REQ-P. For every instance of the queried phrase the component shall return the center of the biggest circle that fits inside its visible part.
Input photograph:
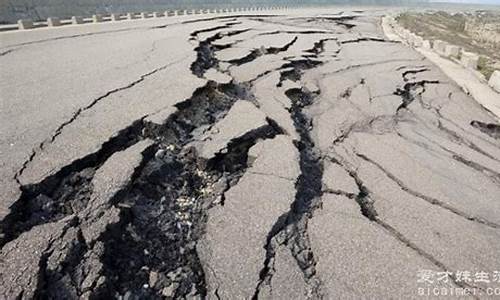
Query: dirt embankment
(477, 32)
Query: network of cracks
(145, 234)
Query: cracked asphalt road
(292, 155)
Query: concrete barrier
(407, 34)
(452, 50)
(494, 81)
(97, 18)
(404, 33)
(412, 39)
(75, 20)
(426, 44)
(469, 60)
(439, 46)
(116, 17)
(419, 41)
(53, 22)
(25, 24)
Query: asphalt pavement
(282, 154)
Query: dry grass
(484, 66)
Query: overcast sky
(496, 2)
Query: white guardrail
(116, 17)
